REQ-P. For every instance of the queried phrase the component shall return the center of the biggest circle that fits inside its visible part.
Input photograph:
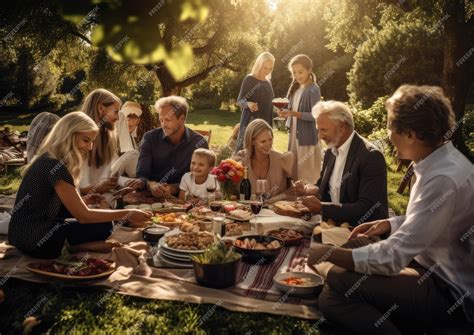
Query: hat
(130, 107)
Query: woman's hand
(284, 113)
(374, 228)
(253, 106)
(138, 218)
(300, 187)
(160, 190)
(93, 198)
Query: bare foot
(103, 247)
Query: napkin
(4, 222)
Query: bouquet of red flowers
(229, 173)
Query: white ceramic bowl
(299, 290)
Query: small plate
(70, 277)
(240, 219)
(299, 290)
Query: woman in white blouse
(423, 270)
(103, 106)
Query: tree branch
(211, 43)
(81, 36)
(198, 77)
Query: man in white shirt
(353, 183)
(424, 270)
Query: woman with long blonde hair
(262, 161)
(256, 95)
(47, 196)
(103, 107)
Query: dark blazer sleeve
(145, 160)
(373, 175)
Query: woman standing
(303, 94)
(262, 161)
(48, 195)
(256, 95)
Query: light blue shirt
(438, 229)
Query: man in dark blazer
(353, 183)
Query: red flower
(235, 178)
(221, 178)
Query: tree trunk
(456, 80)
(168, 83)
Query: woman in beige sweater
(262, 161)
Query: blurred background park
(54, 52)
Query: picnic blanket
(135, 275)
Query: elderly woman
(256, 95)
(39, 128)
(421, 272)
(129, 119)
(262, 161)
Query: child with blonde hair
(194, 183)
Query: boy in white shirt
(194, 183)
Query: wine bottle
(245, 188)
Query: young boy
(194, 183)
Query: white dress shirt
(336, 177)
(438, 229)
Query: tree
(350, 23)
(289, 36)
(391, 57)
(192, 38)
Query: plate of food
(258, 249)
(291, 237)
(192, 242)
(294, 209)
(74, 268)
(299, 283)
(168, 219)
(240, 215)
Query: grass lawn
(75, 309)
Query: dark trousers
(376, 304)
(74, 233)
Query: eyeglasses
(133, 117)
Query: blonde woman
(48, 195)
(256, 95)
(103, 106)
(262, 161)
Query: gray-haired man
(353, 183)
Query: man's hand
(320, 253)
(313, 204)
(374, 228)
(136, 184)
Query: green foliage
(288, 36)
(373, 119)
(393, 56)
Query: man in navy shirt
(165, 153)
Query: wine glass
(256, 204)
(261, 188)
(211, 186)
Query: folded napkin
(4, 222)
(267, 220)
